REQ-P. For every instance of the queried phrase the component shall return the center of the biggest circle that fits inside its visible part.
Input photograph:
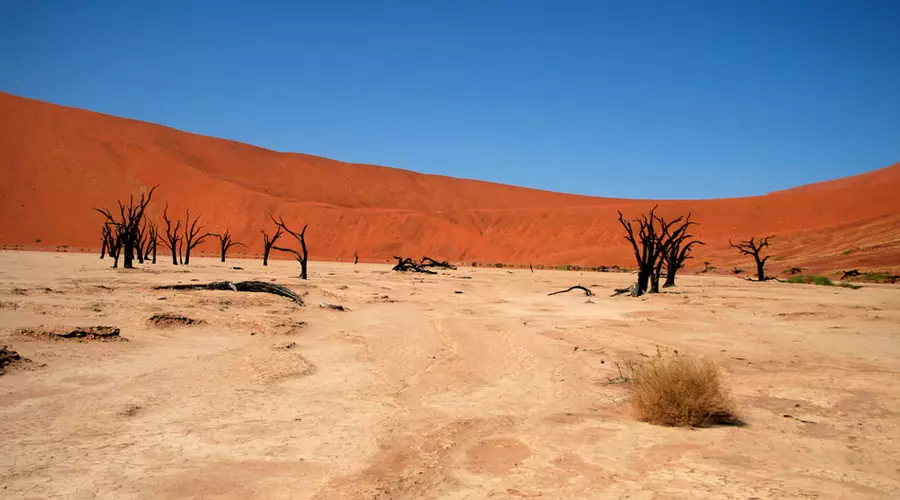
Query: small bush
(682, 391)
(811, 279)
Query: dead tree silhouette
(753, 248)
(269, 243)
(192, 235)
(173, 238)
(679, 248)
(226, 242)
(302, 255)
(127, 224)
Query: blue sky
(703, 99)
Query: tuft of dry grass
(682, 391)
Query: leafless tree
(355, 258)
(678, 249)
(140, 241)
(753, 248)
(111, 242)
(652, 244)
(127, 224)
(269, 243)
(105, 239)
(173, 238)
(302, 255)
(192, 235)
(226, 242)
(151, 240)
(648, 246)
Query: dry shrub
(682, 391)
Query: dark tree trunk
(670, 276)
(103, 248)
(154, 252)
(642, 282)
(303, 269)
(128, 260)
(266, 255)
(187, 256)
(760, 271)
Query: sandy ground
(471, 384)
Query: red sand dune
(58, 162)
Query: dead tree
(140, 242)
(269, 243)
(173, 238)
(678, 250)
(753, 248)
(407, 264)
(646, 245)
(151, 241)
(103, 248)
(111, 242)
(128, 223)
(192, 235)
(226, 242)
(429, 262)
(355, 258)
(302, 255)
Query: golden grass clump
(682, 391)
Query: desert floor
(470, 384)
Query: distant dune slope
(58, 162)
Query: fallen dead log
(619, 291)
(429, 262)
(101, 333)
(576, 287)
(240, 286)
(407, 264)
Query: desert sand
(58, 162)
(469, 384)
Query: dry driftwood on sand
(587, 291)
(240, 286)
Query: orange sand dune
(58, 162)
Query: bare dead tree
(753, 248)
(112, 242)
(173, 238)
(103, 248)
(678, 249)
(646, 246)
(269, 243)
(128, 223)
(407, 264)
(302, 255)
(226, 242)
(140, 241)
(192, 235)
(355, 258)
(151, 241)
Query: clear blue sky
(704, 99)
